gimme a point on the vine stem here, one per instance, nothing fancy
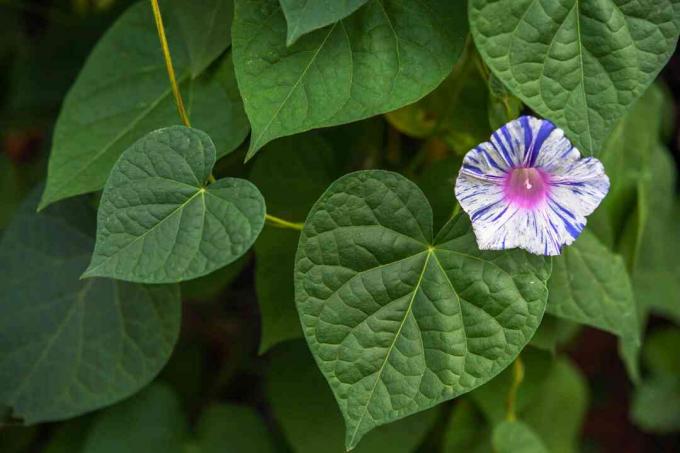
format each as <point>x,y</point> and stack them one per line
<point>275,221</point>
<point>517,378</point>
<point>281,223</point>
<point>168,63</point>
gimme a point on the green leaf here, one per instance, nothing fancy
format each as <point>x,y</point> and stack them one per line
<point>580,64</point>
<point>123,92</point>
<point>389,54</point>
<point>69,436</point>
<point>158,222</point>
<point>590,285</point>
<point>436,182</point>
<point>656,404</point>
<point>300,399</point>
<point>292,174</point>
<point>304,16</point>
<point>466,431</point>
<point>229,428</point>
<point>397,320</point>
<point>205,28</point>
<point>660,354</point>
<point>516,437</point>
<point>152,419</point>
<point>211,286</point>
<point>554,332</point>
<point>70,346</point>
<point>559,408</point>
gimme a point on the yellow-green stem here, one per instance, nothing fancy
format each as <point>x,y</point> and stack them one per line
<point>517,378</point>
<point>168,63</point>
<point>275,221</point>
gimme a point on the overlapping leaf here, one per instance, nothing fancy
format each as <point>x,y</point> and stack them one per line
<point>123,92</point>
<point>69,346</point>
<point>389,54</point>
<point>158,222</point>
<point>579,63</point>
<point>304,16</point>
<point>397,320</point>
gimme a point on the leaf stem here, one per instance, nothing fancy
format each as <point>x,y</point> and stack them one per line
<point>168,63</point>
<point>275,221</point>
<point>517,378</point>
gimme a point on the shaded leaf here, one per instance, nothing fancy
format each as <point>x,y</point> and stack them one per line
<point>300,398</point>
<point>152,419</point>
<point>70,346</point>
<point>229,428</point>
<point>396,319</point>
<point>656,404</point>
<point>389,54</point>
<point>580,64</point>
<point>158,222</point>
<point>467,431</point>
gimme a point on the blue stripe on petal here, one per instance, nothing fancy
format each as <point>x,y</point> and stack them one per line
<point>543,133</point>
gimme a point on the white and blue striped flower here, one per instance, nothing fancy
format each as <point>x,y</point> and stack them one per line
<point>529,188</point>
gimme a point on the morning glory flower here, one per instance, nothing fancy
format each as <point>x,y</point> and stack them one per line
<point>529,188</point>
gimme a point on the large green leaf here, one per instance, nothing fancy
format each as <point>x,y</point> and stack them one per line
<point>397,320</point>
<point>389,54</point>
<point>153,419</point>
<point>304,16</point>
<point>516,437</point>
<point>159,222</point>
<point>579,63</point>
<point>69,346</point>
<point>292,174</point>
<point>123,92</point>
<point>300,398</point>
<point>590,285</point>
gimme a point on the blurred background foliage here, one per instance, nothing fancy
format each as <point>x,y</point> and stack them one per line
<point>242,380</point>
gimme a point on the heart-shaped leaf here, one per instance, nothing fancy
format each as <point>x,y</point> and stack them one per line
<point>122,93</point>
<point>389,54</point>
<point>158,222</point>
<point>399,321</point>
<point>69,346</point>
<point>579,63</point>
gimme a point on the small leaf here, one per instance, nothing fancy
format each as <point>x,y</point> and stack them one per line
<point>232,428</point>
<point>70,346</point>
<point>579,64</point>
<point>389,54</point>
<point>590,285</point>
<point>656,404</point>
<point>466,431</point>
<point>396,319</point>
<point>159,223</point>
<point>153,418</point>
<point>304,16</point>
<point>300,398</point>
<point>516,437</point>
<point>123,92</point>
<point>660,354</point>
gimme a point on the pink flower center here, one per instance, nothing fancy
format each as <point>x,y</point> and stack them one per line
<point>526,187</point>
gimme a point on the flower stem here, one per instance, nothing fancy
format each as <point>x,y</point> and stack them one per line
<point>517,378</point>
<point>275,221</point>
<point>168,63</point>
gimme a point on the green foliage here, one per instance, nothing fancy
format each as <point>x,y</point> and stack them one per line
<point>68,345</point>
<point>389,54</point>
<point>122,94</point>
<point>370,276</point>
<point>382,276</point>
<point>581,64</point>
<point>158,222</point>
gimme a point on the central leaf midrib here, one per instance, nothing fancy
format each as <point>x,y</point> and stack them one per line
<point>143,235</point>
<point>408,311</point>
